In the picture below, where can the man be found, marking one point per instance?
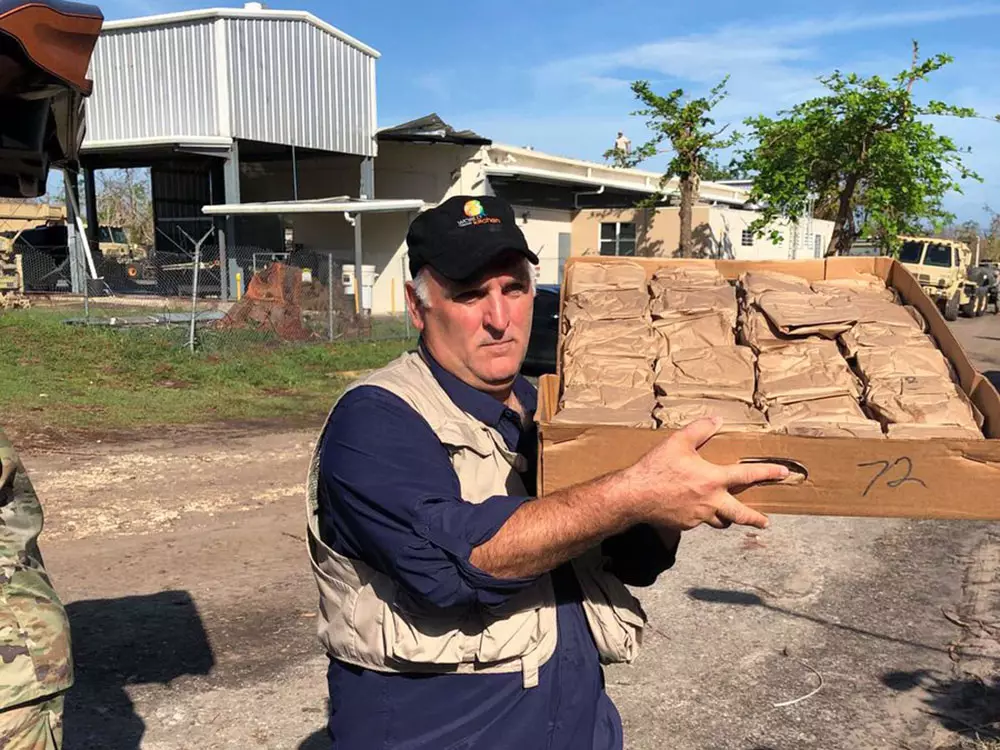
(459, 611)
(622, 144)
(36, 667)
(44, 55)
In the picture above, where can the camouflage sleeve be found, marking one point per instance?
(35, 658)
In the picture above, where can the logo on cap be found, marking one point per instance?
(473, 209)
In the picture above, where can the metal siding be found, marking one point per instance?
(156, 82)
(292, 83)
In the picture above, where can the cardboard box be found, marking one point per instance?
(938, 478)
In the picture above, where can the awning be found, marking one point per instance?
(564, 178)
(647, 186)
(337, 205)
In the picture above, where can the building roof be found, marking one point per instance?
(537, 166)
(335, 205)
(251, 10)
(432, 129)
(250, 74)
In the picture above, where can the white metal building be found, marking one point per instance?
(205, 97)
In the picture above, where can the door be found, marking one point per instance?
(565, 246)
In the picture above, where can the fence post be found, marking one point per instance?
(86, 280)
(194, 280)
(194, 293)
(329, 291)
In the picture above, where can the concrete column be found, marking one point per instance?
(367, 178)
(227, 233)
(77, 263)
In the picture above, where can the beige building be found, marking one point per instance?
(564, 206)
(718, 233)
(426, 161)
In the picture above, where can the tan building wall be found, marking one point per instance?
(718, 232)
(657, 233)
(542, 229)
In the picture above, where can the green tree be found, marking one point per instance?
(863, 152)
(714, 171)
(687, 127)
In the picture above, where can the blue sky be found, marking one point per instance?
(554, 74)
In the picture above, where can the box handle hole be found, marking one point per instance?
(797, 473)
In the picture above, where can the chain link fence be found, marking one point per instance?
(276, 296)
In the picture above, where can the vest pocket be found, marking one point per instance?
(512, 636)
(415, 634)
(615, 616)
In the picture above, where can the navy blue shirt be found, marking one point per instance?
(388, 496)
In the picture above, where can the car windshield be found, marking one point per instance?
(938, 255)
(118, 234)
(910, 252)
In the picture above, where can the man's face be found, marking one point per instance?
(478, 330)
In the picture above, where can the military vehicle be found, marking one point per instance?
(944, 270)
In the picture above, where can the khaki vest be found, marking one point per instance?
(366, 620)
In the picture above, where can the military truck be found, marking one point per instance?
(11, 276)
(944, 270)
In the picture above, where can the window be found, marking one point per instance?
(938, 255)
(746, 239)
(911, 251)
(617, 238)
(818, 245)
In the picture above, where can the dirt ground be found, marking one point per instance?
(182, 562)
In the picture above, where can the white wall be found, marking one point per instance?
(430, 172)
(798, 241)
(542, 229)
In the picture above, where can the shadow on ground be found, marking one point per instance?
(135, 640)
(967, 706)
(318, 740)
(748, 599)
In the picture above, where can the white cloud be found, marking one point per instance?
(744, 48)
(773, 66)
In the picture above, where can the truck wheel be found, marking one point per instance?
(951, 308)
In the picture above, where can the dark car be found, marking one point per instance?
(541, 355)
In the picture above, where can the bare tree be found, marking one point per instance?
(124, 200)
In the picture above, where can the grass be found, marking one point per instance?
(54, 374)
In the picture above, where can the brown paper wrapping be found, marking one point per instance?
(756, 283)
(679, 303)
(623, 304)
(694, 331)
(801, 372)
(737, 416)
(619, 275)
(882, 336)
(725, 372)
(798, 314)
(893, 363)
(926, 400)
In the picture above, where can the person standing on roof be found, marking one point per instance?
(457, 608)
(622, 144)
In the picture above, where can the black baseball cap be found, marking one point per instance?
(463, 235)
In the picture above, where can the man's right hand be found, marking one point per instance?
(674, 487)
